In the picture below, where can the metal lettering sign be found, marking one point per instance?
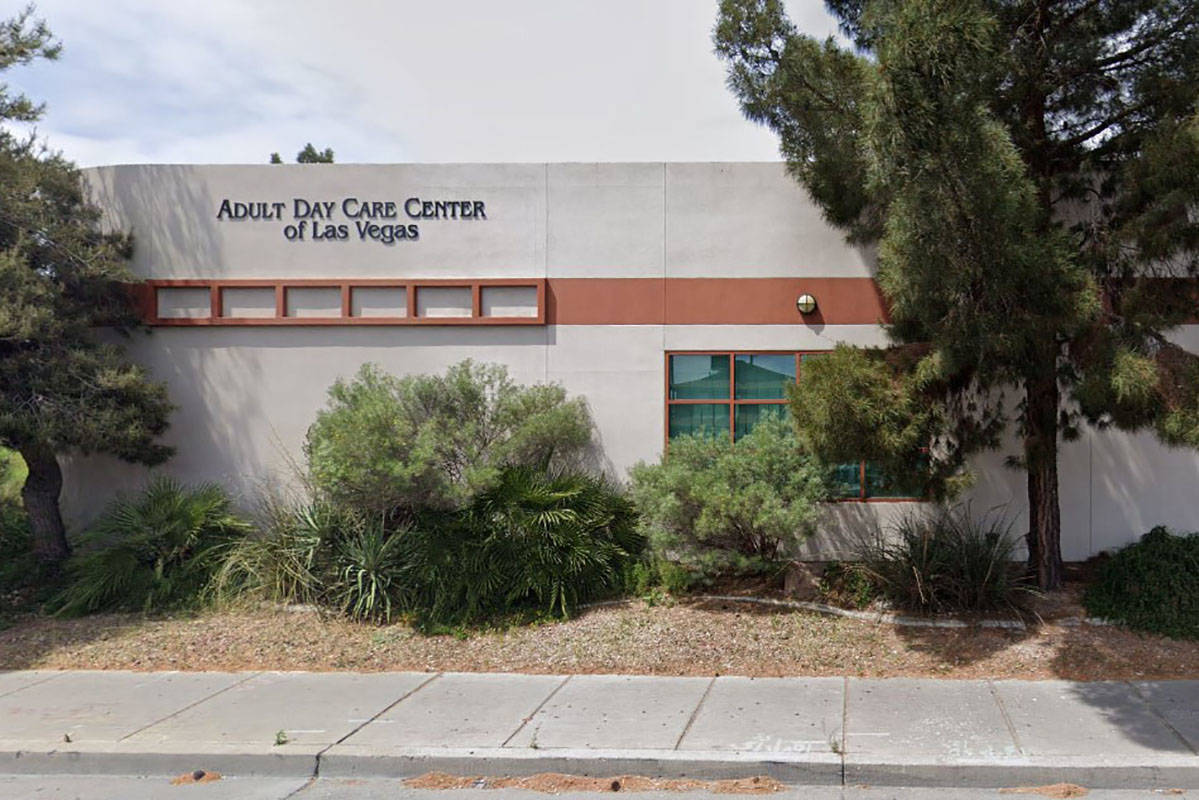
(382, 221)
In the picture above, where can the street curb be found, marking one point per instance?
(1166, 772)
(343, 761)
(792, 768)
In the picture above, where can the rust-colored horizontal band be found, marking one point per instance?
(577, 301)
(712, 301)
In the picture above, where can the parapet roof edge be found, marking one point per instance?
(433, 164)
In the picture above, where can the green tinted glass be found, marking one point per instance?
(847, 480)
(745, 417)
(763, 376)
(699, 378)
(881, 484)
(707, 418)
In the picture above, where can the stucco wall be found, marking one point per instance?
(247, 394)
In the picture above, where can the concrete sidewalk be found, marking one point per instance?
(895, 732)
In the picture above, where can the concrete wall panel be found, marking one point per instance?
(750, 220)
(770, 337)
(605, 220)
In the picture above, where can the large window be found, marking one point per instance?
(726, 393)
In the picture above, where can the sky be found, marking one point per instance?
(225, 81)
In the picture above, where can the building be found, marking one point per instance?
(666, 294)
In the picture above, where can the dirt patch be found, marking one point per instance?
(688, 638)
(556, 783)
(198, 776)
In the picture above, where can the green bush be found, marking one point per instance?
(12, 475)
(847, 583)
(1152, 585)
(949, 561)
(154, 551)
(402, 445)
(711, 506)
(17, 563)
(530, 540)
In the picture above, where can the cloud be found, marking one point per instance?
(473, 80)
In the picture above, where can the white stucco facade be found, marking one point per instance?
(247, 392)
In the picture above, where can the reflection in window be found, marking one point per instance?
(764, 376)
(700, 377)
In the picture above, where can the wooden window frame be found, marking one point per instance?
(346, 287)
(733, 402)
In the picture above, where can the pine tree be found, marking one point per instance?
(1029, 170)
(310, 155)
(62, 389)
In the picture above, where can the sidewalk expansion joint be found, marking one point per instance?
(844, 723)
(695, 712)
(316, 766)
(1136, 692)
(1007, 720)
(49, 677)
(540, 706)
(191, 705)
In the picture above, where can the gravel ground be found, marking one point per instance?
(689, 638)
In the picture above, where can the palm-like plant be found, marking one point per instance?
(152, 551)
(552, 540)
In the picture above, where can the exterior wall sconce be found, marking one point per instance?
(806, 304)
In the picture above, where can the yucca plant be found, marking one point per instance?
(369, 573)
(290, 557)
(152, 551)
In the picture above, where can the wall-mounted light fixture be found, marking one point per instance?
(806, 304)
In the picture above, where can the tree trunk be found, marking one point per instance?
(1040, 455)
(40, 494)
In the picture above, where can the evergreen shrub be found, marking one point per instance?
(712, 507)
(403, 445)
(1152, 585)
(17, 564)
